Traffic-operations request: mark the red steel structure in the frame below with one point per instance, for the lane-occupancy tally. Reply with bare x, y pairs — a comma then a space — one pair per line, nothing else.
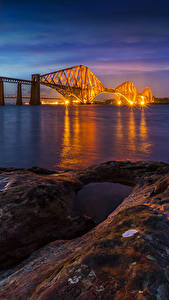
76, 82
81, 83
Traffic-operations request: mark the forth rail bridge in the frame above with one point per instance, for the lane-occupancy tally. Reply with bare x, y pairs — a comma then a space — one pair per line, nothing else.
79, 83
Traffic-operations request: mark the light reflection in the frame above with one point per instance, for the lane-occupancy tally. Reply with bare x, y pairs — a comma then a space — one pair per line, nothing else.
83, 139
76, 127
66, 135
119, 127
145, 144
143, 126
132, 128
132, 131
79, 135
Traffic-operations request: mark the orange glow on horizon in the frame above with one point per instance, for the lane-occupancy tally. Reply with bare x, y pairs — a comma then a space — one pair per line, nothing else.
49, 102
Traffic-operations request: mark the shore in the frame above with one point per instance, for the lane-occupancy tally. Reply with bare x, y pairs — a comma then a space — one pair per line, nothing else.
46, 254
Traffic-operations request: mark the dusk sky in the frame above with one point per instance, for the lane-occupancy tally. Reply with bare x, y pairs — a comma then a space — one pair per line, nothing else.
117, 40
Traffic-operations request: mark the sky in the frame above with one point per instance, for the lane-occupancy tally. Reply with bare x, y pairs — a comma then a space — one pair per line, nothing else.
118, 40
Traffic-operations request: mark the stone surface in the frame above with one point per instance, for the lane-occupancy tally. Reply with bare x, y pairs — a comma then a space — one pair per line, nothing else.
35, 210
103, 263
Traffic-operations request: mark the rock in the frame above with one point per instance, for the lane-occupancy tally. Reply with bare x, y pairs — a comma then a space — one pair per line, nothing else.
124, 257
34, 211
100, 265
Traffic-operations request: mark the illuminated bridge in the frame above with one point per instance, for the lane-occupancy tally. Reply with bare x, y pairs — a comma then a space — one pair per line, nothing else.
79, 83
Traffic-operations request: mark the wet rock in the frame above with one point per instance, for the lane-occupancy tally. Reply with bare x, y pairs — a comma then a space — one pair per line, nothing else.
33, 212
124, 257
100, 265
130, 173
41, 171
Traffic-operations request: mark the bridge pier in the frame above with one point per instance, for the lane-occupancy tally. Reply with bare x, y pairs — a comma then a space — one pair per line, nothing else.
19, 94
35, 90
2, 102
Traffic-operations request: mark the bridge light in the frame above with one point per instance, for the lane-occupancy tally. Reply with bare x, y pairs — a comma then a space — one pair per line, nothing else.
142, 100
66, 102
131, 102
76, 101
119, 102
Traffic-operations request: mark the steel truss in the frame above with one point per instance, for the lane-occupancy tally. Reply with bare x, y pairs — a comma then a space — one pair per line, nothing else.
80, 82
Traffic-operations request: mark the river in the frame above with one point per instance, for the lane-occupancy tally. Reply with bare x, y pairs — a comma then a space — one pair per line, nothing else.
59, 137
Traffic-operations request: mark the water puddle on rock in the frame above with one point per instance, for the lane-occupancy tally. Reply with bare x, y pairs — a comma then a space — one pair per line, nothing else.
98, 200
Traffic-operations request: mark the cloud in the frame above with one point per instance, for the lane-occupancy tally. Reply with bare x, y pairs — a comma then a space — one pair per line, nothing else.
122, 38
129, 67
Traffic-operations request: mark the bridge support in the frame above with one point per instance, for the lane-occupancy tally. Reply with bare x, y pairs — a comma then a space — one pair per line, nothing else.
19, 94
2, 102
35, 90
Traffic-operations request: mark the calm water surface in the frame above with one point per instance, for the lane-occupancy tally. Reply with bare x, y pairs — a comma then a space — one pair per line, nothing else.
107, 196
76, 137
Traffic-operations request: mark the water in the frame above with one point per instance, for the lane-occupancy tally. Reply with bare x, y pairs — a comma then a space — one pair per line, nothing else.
76, 137
98, 200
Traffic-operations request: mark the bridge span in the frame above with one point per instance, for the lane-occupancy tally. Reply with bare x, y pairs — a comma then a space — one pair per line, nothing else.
77, 82
35, 89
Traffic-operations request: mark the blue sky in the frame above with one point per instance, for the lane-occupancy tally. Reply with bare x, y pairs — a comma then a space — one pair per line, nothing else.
117, 40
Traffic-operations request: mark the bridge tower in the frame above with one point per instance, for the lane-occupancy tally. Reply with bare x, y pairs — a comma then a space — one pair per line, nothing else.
35, 90
2, 102
19, 94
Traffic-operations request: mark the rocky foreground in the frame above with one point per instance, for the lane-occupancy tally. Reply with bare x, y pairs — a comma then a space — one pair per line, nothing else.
46, 254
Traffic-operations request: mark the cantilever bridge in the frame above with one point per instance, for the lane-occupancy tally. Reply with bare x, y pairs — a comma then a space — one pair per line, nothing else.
77, 82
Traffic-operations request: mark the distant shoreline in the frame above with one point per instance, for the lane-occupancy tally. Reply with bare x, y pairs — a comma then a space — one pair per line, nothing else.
157, 101
161, 101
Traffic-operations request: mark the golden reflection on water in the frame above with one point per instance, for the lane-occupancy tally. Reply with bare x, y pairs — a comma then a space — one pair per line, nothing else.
132, 131
79, 135
89, 137
66, 134
76, 125
143, 126
132, 134
119, 130
145, 143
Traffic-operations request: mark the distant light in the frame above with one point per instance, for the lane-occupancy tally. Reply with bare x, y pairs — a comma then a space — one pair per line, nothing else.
142, 101
76, 101
49, 102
